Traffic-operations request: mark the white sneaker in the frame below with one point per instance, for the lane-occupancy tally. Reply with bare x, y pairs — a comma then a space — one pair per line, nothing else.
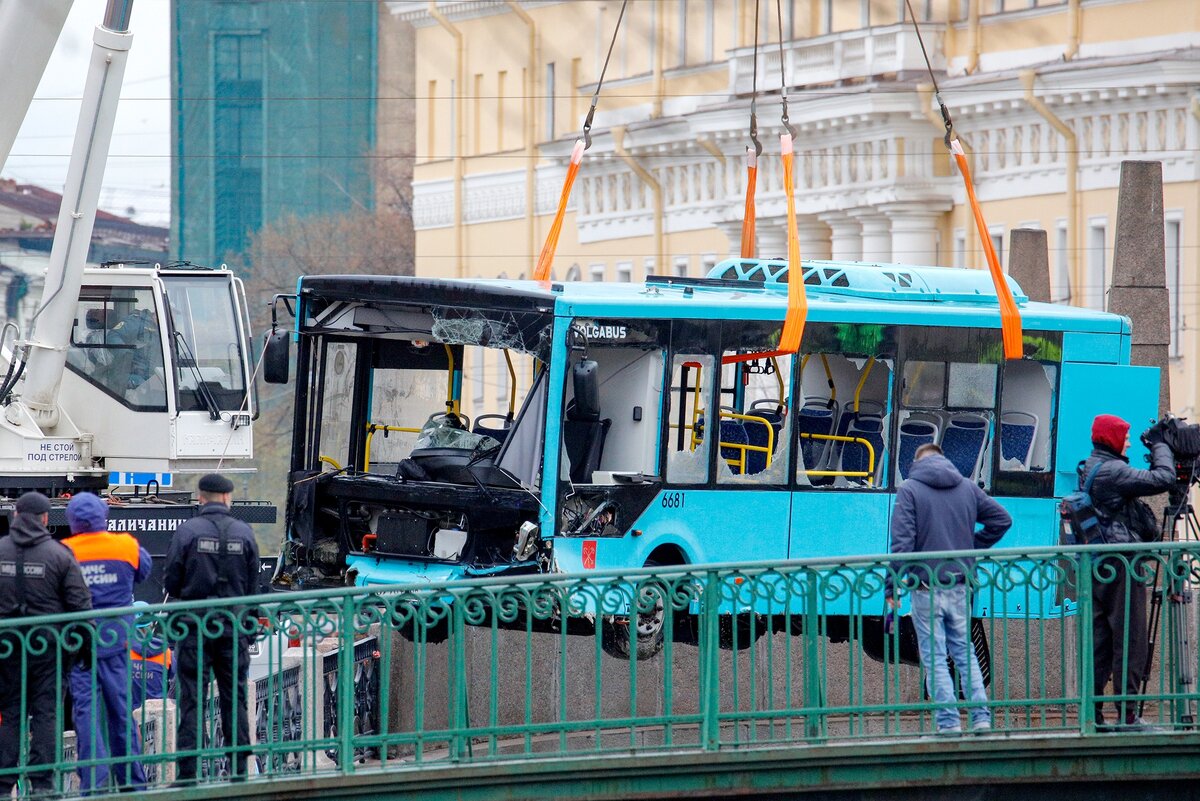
981, 727
950, 731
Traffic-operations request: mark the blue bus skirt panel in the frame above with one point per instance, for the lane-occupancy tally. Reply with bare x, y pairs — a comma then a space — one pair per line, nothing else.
372, 570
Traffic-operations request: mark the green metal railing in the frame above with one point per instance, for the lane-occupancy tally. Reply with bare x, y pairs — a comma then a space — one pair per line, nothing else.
734, 657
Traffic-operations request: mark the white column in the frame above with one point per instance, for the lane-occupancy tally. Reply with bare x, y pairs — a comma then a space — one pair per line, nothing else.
845, 236
876, 235
914, 233
733, 231
772, 238
815, 238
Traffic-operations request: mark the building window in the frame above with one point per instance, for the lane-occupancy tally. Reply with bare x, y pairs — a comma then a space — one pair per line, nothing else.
682, 54
1173, 250
625, 271
827, 16
501, 99
1060, 279
598, 272
681, 266
550, 100
864, 13
648, 264
1096, 282
709, 261
477, 128
237, 140
574, 273
960, 247
710, 29
996, 234
431, 143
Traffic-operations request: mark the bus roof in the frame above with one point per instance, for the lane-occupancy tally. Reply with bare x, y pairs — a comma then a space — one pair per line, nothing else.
742, 289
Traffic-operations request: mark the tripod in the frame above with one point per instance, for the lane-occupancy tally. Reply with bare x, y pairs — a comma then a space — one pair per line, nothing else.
1179, 514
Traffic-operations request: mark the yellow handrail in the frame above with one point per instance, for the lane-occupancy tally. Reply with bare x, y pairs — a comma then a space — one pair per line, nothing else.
745, 448
512, 384
371, 429
329, 460
778, 381
869, 475
861, 382
451, 401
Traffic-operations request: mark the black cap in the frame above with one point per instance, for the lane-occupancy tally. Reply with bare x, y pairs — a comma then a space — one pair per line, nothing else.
215, 483
34, 503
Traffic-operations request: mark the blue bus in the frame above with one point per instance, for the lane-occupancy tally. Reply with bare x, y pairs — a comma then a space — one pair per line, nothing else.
450, 429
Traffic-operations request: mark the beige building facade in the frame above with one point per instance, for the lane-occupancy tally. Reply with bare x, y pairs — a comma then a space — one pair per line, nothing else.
1049, 96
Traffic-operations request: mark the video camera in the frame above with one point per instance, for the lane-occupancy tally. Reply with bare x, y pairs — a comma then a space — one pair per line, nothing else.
1183, 439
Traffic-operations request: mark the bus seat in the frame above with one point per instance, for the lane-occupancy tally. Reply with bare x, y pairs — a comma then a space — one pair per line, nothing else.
867, 409
816, 419
733, 432
964, 442
913, 434
757, 435
584, 441
497, 433
854, 457
1018, 432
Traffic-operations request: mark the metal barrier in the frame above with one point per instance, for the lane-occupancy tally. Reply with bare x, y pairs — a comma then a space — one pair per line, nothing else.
743, 656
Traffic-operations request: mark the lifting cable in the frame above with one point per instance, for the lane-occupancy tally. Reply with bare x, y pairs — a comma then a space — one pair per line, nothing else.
1010, 316
797, 308
752, 154
546, 258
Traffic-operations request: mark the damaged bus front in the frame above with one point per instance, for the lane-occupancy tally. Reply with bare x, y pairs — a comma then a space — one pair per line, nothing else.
396, 477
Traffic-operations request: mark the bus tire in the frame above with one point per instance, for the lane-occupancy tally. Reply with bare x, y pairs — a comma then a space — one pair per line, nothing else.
615, 635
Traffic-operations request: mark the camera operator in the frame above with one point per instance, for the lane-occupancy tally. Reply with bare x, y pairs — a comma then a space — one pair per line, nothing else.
1119, 636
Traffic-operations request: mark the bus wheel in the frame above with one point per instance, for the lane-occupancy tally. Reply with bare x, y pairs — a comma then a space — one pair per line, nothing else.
648, 634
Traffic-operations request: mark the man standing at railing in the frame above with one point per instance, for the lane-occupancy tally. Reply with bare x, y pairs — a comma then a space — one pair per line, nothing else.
212, 556
1119, 638
38, 576
112, 563
937, 510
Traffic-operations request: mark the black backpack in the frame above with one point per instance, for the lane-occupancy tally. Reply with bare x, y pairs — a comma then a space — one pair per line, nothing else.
1083, 523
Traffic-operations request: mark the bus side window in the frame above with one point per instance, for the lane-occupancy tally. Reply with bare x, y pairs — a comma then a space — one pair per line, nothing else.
1026, 416
842, 421
690, 412
755, 424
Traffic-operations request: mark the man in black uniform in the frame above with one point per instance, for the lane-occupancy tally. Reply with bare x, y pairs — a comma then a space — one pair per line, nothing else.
212, 556
1119, 637
38, 576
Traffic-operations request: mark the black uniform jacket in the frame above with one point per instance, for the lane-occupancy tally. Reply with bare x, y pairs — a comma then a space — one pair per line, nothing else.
213, 555
53, 580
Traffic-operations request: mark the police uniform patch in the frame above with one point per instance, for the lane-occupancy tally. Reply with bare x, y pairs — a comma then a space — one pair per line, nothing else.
35, 570
208, 545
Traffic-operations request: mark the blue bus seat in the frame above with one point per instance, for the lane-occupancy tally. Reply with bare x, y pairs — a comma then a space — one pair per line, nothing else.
913, 434
757, 435
1018, 432
733, 433
816, 419
854, 457
867, 409
964, 442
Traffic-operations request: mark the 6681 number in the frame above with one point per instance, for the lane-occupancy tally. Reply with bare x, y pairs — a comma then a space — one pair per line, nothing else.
672, 500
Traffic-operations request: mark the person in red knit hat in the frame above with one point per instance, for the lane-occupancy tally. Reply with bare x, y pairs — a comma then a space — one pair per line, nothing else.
1119, 639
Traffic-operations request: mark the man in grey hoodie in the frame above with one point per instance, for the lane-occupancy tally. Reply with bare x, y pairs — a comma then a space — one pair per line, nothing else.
937, 510
38, 576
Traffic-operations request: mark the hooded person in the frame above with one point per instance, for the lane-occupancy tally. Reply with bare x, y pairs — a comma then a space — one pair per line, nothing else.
111, 563
38, 576
937, 509
1119, 637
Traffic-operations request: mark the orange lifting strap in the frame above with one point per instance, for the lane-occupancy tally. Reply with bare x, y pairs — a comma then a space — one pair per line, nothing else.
748, 217
546, 258
1010, 316
541, 272
797, 308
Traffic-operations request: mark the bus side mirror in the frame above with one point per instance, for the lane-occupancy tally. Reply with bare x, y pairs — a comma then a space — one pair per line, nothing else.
586, 377
276, 357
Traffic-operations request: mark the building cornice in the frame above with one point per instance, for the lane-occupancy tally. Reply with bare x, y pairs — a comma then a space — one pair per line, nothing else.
416, 12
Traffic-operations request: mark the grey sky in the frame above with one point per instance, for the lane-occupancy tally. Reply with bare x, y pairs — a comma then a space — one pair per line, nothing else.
139, 167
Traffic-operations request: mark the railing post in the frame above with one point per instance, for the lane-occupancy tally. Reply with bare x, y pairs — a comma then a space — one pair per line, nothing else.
1087, 710
458, 690
345, 688
814, 720
710, 666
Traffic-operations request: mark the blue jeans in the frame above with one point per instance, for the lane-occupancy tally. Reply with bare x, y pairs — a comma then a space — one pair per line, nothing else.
944, 615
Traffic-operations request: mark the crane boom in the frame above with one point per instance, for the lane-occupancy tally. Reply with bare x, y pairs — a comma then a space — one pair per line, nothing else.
50, 334
28, 32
